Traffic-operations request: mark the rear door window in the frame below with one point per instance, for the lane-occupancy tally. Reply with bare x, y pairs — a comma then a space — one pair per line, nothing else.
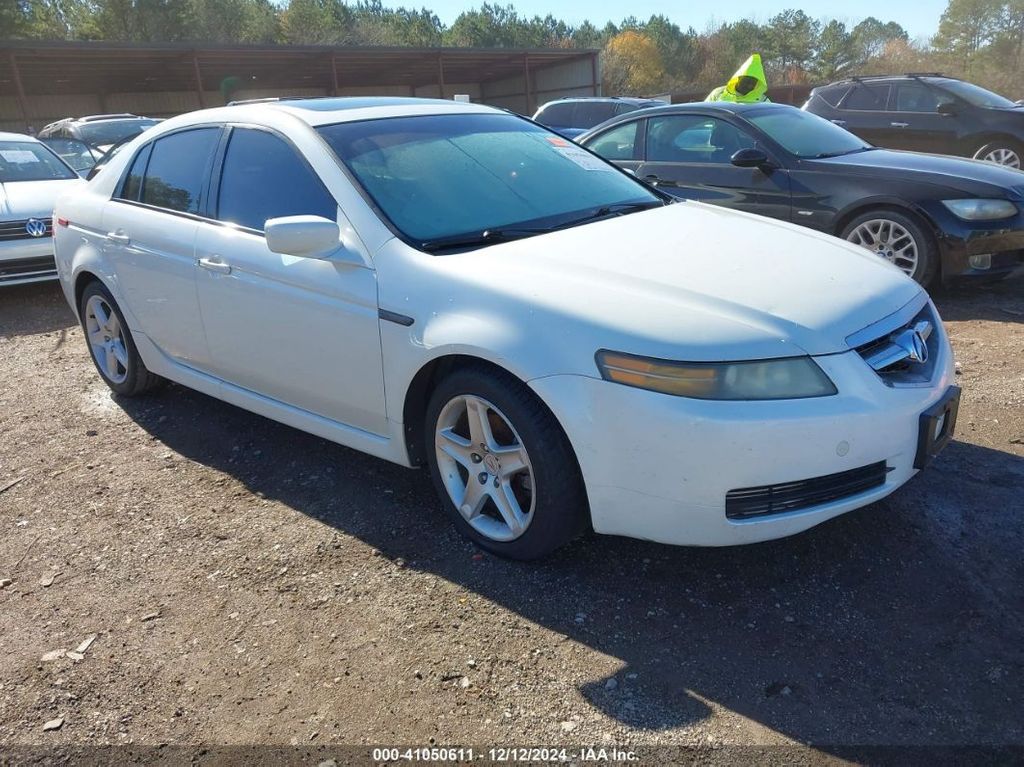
917, 97
263, 177
178, 169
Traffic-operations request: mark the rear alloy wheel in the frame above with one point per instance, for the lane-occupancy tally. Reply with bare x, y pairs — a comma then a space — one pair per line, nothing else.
898, 239
110, 343
1000, 153
502, 465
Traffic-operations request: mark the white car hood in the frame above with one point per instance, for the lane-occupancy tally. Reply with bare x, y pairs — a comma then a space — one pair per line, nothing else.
32, 199
693, 281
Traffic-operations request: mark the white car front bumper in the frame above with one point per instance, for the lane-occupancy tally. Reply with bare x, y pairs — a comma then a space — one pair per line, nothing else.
659, 467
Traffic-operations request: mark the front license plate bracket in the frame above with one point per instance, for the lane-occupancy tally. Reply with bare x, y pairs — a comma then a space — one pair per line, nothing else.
936, 427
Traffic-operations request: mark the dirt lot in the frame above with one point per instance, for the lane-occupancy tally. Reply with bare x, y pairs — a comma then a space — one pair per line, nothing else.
247, 583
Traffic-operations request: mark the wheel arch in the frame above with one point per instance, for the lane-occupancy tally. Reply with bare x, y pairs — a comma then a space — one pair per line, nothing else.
82, 280
421, 387
981, 140
425, 381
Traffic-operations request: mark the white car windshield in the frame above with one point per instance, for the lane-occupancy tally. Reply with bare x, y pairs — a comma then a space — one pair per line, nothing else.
30, 161
468, 179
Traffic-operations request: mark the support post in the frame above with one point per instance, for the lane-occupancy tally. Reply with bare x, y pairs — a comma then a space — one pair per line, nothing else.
593, 74
199, 80
440, 75
19, 89
334, 75
530, 106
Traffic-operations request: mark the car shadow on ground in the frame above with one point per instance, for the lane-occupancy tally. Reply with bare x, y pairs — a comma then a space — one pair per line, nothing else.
899, 623
39, 307
1001, 301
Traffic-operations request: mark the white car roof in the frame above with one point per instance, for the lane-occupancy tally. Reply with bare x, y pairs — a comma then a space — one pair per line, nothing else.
16, 137
327, 111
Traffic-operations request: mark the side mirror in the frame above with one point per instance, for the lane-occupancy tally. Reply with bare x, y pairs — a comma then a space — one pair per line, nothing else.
303, 236
948, 109
751, 158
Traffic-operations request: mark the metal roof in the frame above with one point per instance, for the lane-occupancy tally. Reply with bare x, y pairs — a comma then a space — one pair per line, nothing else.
101, 67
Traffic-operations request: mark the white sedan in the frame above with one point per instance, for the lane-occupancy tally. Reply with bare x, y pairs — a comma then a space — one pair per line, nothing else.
450, 285
32, 177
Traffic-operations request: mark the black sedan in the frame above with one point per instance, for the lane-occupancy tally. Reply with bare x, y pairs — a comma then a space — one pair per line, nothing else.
931, 216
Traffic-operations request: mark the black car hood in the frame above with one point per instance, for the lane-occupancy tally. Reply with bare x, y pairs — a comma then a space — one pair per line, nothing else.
939, 169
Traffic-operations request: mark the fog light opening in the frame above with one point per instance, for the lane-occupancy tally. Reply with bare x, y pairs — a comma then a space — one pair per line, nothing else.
984, 261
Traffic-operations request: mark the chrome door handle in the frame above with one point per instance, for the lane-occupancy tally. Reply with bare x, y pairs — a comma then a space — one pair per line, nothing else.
900, 125
215, 266
118, 238
840, 123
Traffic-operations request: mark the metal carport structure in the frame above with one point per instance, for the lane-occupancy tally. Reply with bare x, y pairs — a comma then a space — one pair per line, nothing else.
43, 81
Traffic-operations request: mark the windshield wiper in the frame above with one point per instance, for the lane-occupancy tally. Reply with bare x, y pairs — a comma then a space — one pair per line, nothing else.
506, 234
825, 155
486, 237
619, 209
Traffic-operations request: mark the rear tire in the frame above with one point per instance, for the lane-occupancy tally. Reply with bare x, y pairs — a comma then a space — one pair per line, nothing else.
502, 465
899, 238
111, 345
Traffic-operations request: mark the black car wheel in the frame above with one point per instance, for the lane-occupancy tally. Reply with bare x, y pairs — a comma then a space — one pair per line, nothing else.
1001, 152
897, 237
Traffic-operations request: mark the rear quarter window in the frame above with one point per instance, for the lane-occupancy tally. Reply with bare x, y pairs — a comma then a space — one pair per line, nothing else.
557, 115
832, 94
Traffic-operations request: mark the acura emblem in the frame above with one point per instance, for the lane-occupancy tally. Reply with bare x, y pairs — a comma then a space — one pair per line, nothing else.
914, 341
36, 227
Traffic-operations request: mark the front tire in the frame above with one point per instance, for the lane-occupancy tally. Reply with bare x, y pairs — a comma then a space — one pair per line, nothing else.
1001, 152
111, 345
897, 237
502, 465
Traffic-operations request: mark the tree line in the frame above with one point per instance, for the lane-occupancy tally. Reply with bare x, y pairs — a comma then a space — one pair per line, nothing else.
979, 39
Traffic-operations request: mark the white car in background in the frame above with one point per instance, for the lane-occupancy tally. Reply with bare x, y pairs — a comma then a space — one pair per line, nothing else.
31, 178
451, 285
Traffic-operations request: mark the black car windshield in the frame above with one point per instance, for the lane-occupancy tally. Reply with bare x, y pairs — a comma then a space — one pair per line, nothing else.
804, 134
976, 95
30, 161
107, 132
442, 177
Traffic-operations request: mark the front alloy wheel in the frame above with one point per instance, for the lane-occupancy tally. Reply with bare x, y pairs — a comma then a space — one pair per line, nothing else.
502, 465
900, 238
888, 239
485, 468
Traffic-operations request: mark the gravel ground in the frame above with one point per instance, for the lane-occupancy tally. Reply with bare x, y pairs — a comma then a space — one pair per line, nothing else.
243, 582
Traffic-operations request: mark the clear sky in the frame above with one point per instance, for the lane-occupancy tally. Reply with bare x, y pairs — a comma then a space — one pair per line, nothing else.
919, 17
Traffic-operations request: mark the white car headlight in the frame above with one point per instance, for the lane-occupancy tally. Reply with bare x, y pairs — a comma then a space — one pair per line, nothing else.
981, 210
790, 378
